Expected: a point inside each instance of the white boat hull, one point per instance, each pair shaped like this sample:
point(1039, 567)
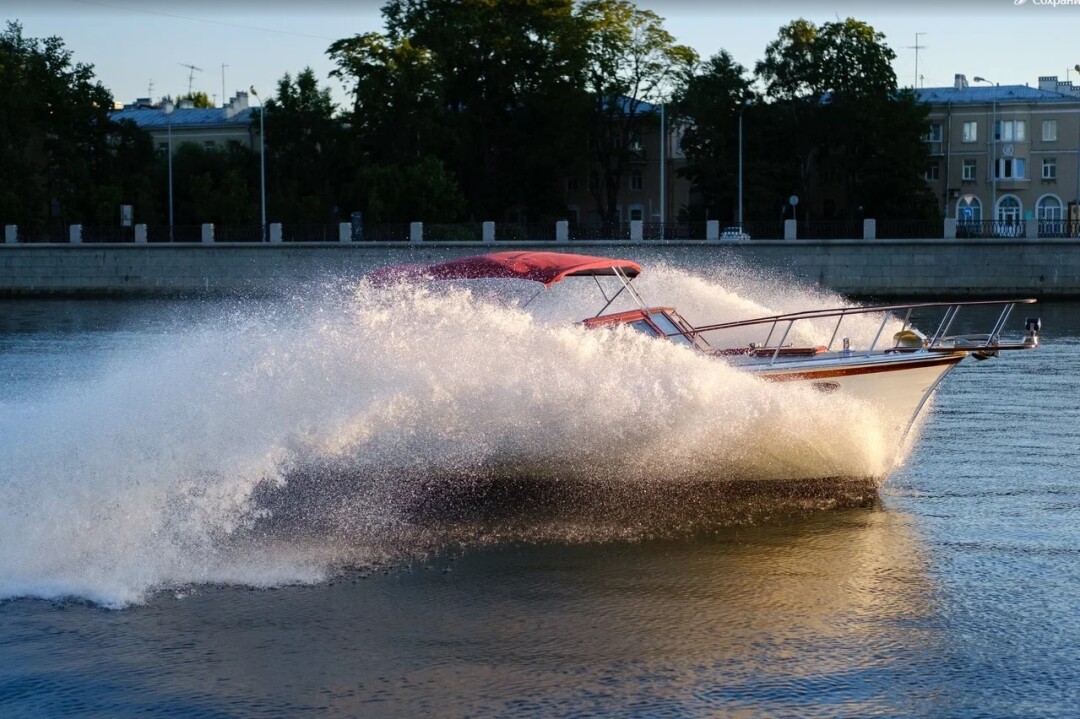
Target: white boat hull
point(898, 388)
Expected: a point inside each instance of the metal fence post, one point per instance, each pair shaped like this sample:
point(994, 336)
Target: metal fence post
point(488, 229)
point(11, 234)
point(140, 234)
point(208, 233)
point(869, 229)
point(344, 232)
point(75, 234)
point(416, 232)
point(562, 231)
point(636, 231)
point(275, 232)
point(712, 230)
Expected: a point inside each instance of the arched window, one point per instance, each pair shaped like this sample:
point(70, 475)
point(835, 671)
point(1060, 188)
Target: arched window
point(1009, 210)
point(1050, 214)
point(968, 209)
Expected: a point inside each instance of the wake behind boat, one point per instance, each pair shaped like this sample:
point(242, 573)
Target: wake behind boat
point(897, 370)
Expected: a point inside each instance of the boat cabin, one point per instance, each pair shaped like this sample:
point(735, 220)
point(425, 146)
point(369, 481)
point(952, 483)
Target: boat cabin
point(656, 322)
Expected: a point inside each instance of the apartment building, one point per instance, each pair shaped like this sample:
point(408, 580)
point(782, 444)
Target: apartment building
point(1003, 154)
point(213, 127)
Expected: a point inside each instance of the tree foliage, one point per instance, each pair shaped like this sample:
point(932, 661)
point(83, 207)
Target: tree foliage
point(62, 160)
point(632, 62)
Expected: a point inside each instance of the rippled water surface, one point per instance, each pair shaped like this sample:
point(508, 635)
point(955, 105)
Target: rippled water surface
point(347, 506)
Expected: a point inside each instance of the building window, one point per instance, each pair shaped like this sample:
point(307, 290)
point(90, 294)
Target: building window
point(1049, 168)
point(971, 131)
point(636, 212)
point(1010, 168)
point(934, 135)
point(968, 209)
point(1009, 210)
point(163, 147)
point(635, 180)
point(933, 171)
point(1049, 131)
point(969, 171)
point(1010, 130)
point(1049, 208)
point(208, 144)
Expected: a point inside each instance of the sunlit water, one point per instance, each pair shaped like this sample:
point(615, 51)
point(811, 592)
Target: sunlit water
point(395, 502)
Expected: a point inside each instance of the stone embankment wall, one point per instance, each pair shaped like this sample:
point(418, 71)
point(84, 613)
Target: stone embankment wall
point(991, 268)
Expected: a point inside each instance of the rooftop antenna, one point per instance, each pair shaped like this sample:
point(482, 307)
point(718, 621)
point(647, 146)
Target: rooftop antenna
point(916, 47)
point(150, 90)
point(223, 95)
point(191, 75)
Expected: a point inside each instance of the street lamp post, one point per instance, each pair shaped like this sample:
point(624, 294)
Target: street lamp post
point(993, 151)
point(262, 162)
point(742, 107)
point(168, 112)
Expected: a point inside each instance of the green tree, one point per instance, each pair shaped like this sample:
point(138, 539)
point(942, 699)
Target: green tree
point(62, 160)
point(835, 86)
point(710, 100)
point(632, 63)
point(492, 88)
point(304, 147)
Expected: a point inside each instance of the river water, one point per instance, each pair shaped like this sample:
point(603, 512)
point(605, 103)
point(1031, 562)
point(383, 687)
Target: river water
point(236, 508)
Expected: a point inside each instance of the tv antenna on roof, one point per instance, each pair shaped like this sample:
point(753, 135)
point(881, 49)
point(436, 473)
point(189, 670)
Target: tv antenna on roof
point(916, 47)
point(191, 74)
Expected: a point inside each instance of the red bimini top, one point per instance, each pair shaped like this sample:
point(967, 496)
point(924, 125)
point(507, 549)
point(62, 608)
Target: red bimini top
point(545, 267)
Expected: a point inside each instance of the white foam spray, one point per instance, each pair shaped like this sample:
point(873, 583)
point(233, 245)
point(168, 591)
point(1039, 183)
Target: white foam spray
point(285, 441)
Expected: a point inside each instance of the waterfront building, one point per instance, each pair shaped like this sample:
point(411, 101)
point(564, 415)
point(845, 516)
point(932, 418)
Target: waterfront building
point(1004, 154)
point(213, 127)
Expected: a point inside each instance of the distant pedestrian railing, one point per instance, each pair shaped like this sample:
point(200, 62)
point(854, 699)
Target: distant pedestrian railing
point(543, 233)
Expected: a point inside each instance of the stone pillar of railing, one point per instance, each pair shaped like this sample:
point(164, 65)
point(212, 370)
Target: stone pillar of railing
point(1031, 229)
point(75, 234)
point(488, 232)
point(208, 233)
point(562, 231)
point(869, 229)
point(140, 234)
point(416, 232)
point(636, 231)
point(950, 228)
point(275, 232)
point(11, 234)
point(712, 230)
point(344, 232)
point(790, 233)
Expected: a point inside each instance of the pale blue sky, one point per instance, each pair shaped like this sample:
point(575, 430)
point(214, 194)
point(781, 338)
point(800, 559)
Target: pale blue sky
point(134, 42)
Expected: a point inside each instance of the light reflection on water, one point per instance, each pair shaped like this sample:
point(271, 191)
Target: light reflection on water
point(957, 595)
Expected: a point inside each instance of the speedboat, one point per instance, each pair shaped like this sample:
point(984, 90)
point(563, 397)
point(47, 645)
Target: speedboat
point(896, 365)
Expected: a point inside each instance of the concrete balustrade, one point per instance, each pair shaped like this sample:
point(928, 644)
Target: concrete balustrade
point(347, 233)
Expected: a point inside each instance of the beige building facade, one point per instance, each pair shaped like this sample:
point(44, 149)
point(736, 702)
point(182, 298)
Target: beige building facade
point(1002, 156)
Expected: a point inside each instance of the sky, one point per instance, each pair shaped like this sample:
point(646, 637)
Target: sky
point(144, 48)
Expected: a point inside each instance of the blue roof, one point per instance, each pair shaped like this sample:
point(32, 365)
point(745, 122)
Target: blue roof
point(205, 117)
point(977, 94)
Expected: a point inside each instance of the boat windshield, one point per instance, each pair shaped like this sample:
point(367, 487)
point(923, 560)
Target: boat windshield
point(643, 327)
point(668, 328)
